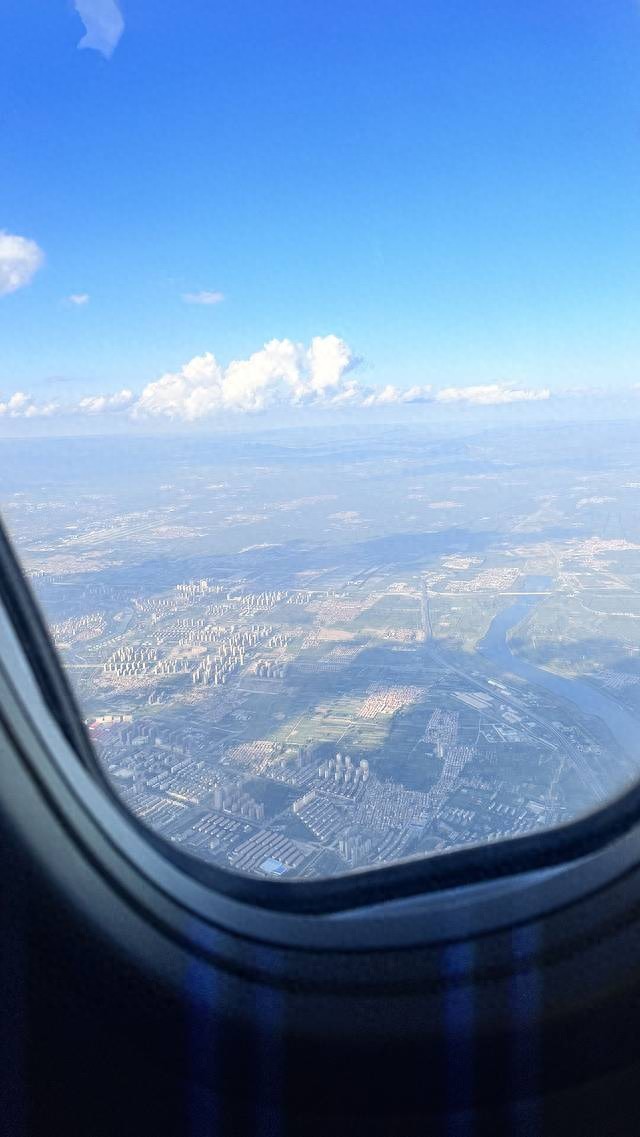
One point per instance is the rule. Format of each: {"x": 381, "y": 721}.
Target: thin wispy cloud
{"x": 203, "y": 297}
{"x": 392, "y": 395}
{"x": 492, "y": 394}
{"x": 103, "y": 23}
{"x": 79, "y": 299}
{"x": 20, "y": 259}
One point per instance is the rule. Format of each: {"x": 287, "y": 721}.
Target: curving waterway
{"x": 622, "y": 724}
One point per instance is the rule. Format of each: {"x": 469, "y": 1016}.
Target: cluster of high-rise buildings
{"x": 230, "y": 656}
{"x": 194, "y": 589}
{"x": 231, "y": 799}
{"x": 78, "y": 628}
{"x": 131, "y": 662}
{"x": 343, "y": 772}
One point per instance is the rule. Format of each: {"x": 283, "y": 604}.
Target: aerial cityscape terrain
{"x": 300, "y": 653}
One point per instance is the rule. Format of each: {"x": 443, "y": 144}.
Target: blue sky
{"x": 450, "y": 190}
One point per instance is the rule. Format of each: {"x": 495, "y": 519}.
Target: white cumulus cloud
{"x": 20, "y": 405}
{"x": 79, "y": 299}
{"x": 20, "y": 260}
{"x": 17, "y": 403}
{"x": 281, "y": 373}
{"x": 491, "y": 394}
{"x": 103, "y": 25}
{"x": 203, "y": 297}
{"x": 99, "y": 404}
{"x": 41, "y": 410}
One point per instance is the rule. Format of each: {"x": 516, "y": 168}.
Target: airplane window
{"x": 319, "y": 410}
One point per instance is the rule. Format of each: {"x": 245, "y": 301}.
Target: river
{"x": 622, "y": 724}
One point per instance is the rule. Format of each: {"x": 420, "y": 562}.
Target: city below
{"x": 299, "y": 655}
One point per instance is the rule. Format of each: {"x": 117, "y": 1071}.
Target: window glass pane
{"x": 319, "y": 412}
